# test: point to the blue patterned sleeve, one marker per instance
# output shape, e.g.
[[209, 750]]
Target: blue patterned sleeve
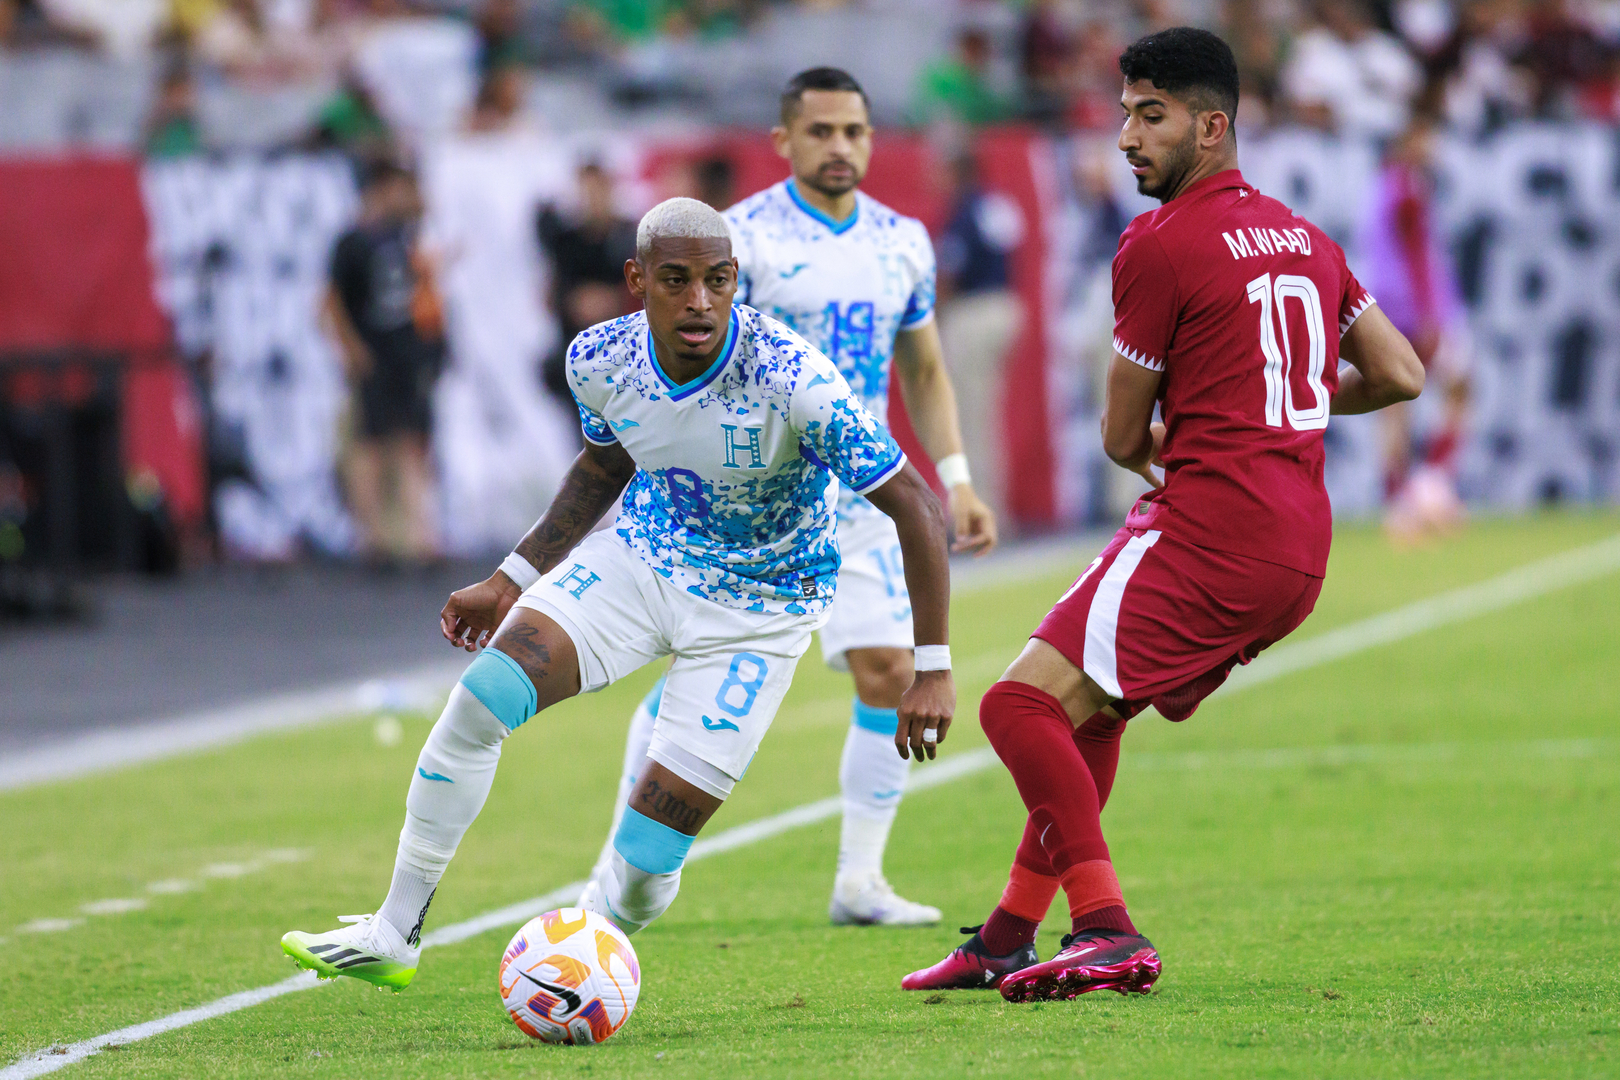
[[592, 423], [837, 432], [920, 308]]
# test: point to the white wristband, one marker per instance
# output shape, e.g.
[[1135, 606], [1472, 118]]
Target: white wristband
[[952, 470], [931, 658], [520, 570]]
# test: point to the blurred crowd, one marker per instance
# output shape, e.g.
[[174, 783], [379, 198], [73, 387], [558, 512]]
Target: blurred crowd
[[1352, 66]]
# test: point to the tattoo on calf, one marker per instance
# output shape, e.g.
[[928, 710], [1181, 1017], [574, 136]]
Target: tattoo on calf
[[665, 805]]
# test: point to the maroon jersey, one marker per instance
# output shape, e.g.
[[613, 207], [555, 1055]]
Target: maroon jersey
[[1241, 305]]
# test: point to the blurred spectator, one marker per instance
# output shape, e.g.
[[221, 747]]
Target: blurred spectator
[[716, 181], [349, 121], [26, 24], [172, 129], [979, 316], [1472, 75], [243, 40], [122, 28], [1407, 267], [500, 43], [500, 100], [1347, 76], [957, 88], [1045, 43], [1564, 56], [587, 249], [383, 307]]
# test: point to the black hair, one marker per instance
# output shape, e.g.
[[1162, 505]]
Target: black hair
[[818, 78], [1194, 65]]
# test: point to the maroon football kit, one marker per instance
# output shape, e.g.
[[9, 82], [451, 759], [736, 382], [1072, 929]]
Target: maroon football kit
[[1241, 305]]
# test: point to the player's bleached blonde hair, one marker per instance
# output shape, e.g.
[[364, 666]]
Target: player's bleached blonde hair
[[687, 219]]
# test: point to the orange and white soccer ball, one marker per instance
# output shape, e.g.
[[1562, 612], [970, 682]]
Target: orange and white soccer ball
[[570, 976]]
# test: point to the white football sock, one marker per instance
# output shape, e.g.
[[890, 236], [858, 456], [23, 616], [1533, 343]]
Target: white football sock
[[642, 875], [453, 775], [631, 897], [872, 776]]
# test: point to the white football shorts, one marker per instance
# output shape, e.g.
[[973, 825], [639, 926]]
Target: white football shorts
[[872, 608], [731, 670]]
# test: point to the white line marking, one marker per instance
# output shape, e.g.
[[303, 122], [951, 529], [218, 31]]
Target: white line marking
[[1524, 583], [113, 907]]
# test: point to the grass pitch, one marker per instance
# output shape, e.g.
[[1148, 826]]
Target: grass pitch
[[1404, 863]]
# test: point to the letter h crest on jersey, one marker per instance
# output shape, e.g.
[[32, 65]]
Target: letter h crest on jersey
[[747, 444]]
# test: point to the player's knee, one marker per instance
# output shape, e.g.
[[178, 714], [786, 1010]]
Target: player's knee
[[882, 676], [502, 686]]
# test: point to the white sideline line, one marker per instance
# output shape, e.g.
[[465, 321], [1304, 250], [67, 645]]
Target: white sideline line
[[1523, 583], [117, 748], [104, 751]]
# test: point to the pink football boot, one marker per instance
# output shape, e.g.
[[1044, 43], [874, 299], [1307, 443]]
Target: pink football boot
[[970, 967], [1090, 960]]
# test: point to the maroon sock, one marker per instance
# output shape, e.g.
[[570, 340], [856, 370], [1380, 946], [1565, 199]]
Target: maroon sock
[[1003, 932], [1098, 742], [1108, 918], [1033, 737]]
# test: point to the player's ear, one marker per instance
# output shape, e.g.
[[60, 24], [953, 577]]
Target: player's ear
[[779, 140], [634, 278], [1217, 125]]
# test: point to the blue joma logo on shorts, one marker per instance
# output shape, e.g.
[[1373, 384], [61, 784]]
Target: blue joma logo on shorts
[[581, 577], [720, 725]]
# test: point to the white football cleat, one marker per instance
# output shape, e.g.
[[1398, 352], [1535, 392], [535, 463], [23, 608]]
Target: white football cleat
[[869, 900], [369, 949]]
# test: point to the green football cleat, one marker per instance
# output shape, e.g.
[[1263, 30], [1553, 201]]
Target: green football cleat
[[369, 949]]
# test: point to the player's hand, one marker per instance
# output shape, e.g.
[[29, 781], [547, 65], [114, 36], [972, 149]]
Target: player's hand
[[974, 522], [926, 709], [472, 615], [1146, 470]]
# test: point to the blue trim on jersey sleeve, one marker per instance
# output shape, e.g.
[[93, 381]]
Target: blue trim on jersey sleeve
[[916, 314], [882, 474], [838, 227], [681, 391]]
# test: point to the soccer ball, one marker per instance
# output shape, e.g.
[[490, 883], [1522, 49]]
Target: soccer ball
[[570, 976]]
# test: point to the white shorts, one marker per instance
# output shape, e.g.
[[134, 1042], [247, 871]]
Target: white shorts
[[732, 668], [872, 608]]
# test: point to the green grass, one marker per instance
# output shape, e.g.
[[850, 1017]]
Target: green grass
[[1449, 905]]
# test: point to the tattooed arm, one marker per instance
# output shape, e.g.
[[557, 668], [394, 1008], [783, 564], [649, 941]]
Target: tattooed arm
[[593, 483]]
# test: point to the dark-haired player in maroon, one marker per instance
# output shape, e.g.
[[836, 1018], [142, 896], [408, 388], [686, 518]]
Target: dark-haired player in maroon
[[1231, 314]]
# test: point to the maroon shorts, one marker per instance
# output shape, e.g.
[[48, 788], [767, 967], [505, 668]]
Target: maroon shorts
[[1155, 620]]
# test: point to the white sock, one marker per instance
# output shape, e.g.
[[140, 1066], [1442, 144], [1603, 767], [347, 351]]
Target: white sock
[[452, 779], [635, 759], [631, 897], [873, 779], [407, 904]]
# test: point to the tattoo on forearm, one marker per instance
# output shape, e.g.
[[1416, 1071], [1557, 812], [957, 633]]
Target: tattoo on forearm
[[588, 491], [670, 808], [522, 643]]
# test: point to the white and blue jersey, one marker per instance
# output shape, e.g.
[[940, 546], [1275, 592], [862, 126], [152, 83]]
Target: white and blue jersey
[[847, 287], [731, 498]]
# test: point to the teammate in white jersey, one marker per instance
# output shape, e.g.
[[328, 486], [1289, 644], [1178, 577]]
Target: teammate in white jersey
[[856, 279], [724, 430]]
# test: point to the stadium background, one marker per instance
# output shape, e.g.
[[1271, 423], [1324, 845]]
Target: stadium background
[[173, 415]]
